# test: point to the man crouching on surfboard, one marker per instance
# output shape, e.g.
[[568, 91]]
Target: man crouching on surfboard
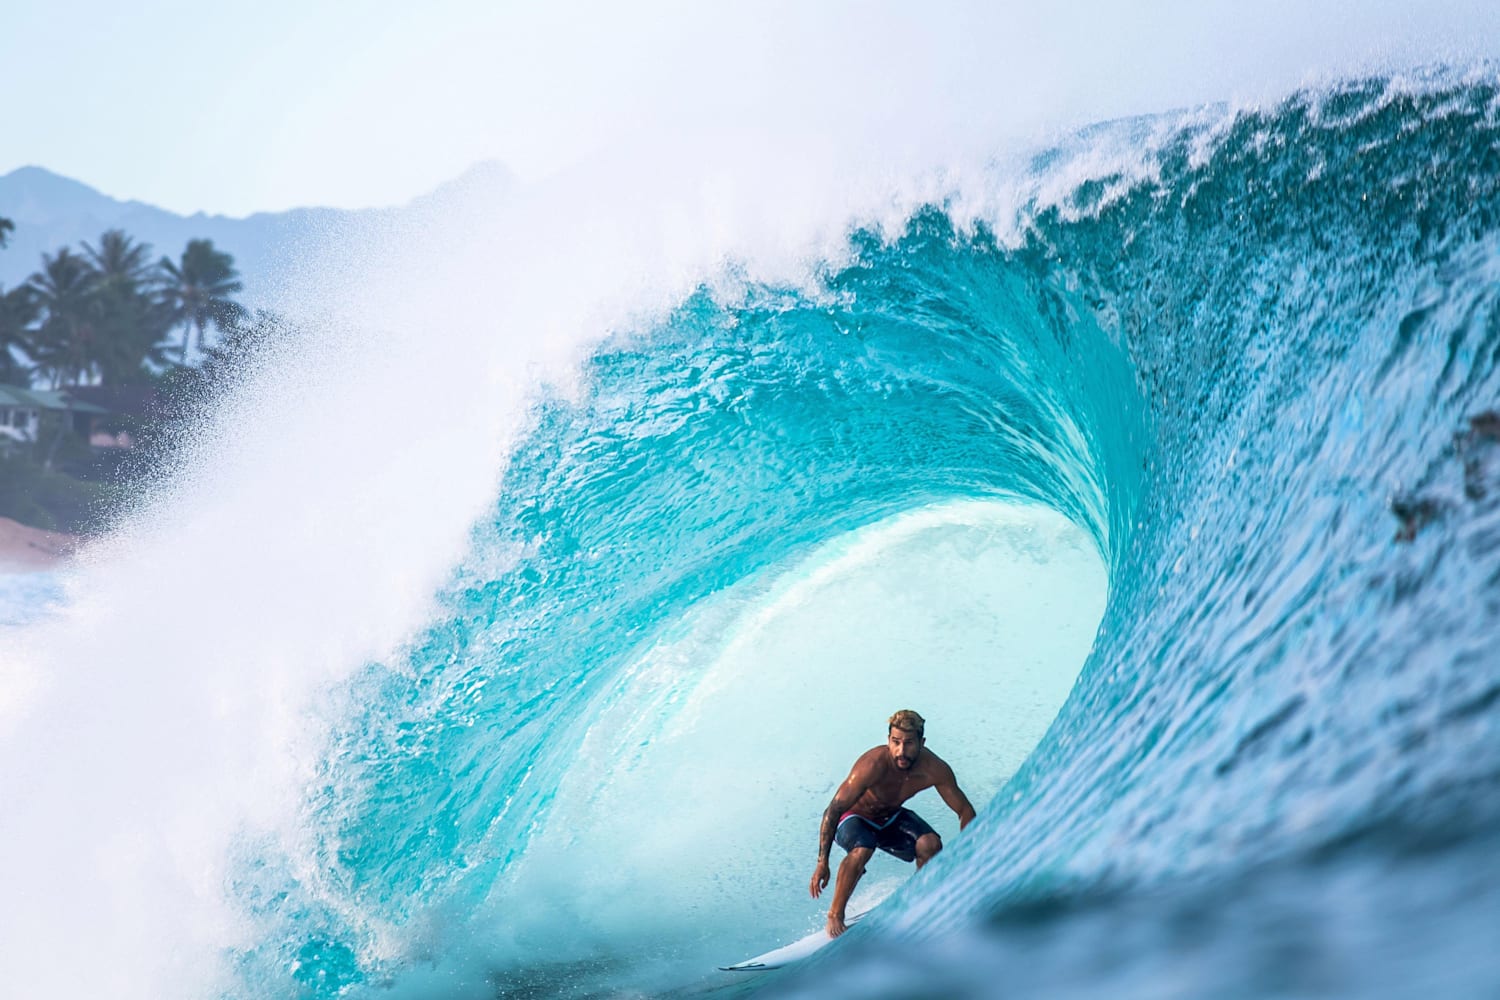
[[866, 811]]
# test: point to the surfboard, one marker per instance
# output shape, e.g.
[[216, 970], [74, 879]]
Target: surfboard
[[787, 954]]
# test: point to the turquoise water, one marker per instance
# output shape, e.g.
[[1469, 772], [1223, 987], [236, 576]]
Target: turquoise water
[[26, 597], [1196, 457], [711, 463], [1277, 775], [1280, 752]]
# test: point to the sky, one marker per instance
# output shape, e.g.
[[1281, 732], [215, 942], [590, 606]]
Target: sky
[[233, 108]]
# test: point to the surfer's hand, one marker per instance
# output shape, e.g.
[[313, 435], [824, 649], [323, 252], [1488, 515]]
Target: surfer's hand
[[819, 879]]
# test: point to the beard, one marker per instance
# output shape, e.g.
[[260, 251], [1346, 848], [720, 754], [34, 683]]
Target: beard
[[905, 763]]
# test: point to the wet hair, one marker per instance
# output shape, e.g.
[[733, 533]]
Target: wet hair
[[908, 722]]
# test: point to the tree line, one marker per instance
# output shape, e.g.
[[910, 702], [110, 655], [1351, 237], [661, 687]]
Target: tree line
[[107, 313]]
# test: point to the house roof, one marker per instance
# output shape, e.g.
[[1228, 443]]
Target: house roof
[[45, 399], [142, 401], [12, 396]]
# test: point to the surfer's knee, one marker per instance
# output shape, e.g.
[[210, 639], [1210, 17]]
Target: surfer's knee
[[928, 845], [857, 858]]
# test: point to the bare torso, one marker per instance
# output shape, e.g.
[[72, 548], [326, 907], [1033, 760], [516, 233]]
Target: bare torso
[[889, 787]]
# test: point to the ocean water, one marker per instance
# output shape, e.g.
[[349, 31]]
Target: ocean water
[[1170, 494], [26, 597]]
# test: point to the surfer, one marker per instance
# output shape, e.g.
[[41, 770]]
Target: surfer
[[867, 810]]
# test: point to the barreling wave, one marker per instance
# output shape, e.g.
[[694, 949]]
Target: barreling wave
[[1249, 358], [1280, 759]]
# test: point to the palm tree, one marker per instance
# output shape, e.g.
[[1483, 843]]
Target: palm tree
[[18, 310], [198, 290], [65, 344], [120, 260], [132, 322]]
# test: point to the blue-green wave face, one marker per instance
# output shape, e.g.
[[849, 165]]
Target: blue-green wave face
[[1256, 380], [1171, 503], [762, 527]]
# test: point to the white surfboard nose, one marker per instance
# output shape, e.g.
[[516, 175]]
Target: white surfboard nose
[[787, 954]]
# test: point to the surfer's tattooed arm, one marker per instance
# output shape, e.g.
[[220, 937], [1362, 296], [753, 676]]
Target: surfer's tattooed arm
[[847, 794], [830, 826]]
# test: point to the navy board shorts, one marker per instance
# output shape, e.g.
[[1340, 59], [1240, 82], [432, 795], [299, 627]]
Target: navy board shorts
[[897, 836]]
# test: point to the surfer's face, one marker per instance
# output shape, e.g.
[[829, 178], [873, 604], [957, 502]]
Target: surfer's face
[[904, 748]]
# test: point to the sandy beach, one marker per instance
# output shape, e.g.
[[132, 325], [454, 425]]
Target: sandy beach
[[24, 549]]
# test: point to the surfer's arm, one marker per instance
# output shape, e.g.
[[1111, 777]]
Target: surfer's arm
[[947, 787], [848, 793]]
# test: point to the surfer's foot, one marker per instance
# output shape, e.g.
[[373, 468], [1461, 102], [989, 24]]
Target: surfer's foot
[[836, 924]]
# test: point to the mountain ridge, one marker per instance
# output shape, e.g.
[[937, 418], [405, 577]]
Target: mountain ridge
[[51, 211]]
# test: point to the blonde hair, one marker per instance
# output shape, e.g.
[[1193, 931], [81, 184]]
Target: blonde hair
[[908, 722]]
